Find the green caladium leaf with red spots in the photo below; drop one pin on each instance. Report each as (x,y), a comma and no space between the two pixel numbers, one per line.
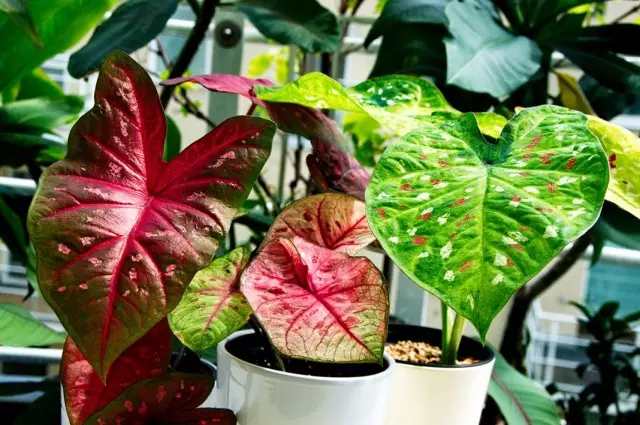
(118,232)
(213,307)
(623,150)
(318,304)
(330,220)
(164,400)
(472,221)
(84,391)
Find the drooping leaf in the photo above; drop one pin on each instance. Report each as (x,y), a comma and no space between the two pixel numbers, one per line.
(571,94)
(130,27)
(482,55)
(317,304)
(472,221)
(60,24)
(304,23)
(118,233)
(399,13)
(521,400)
(606,103)
(607,68)
(213,307)
(156,399)
(173,141)
(18,328)
(39,84)
(331,220)
(622,148)
(84,391)
(40,113)
(414,49)
(19,11)
(612,37)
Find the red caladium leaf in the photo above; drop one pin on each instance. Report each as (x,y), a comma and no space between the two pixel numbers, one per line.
(332,167)
(84,391)
(317,304)
(118,232)
(331,220)
(155,400)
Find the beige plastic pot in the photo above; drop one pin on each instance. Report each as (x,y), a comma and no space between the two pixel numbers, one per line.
(438,395)
(262,396)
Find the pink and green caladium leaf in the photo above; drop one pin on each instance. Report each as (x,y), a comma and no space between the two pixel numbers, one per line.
(84,391)
(472,221)
(118,232)
(317,304)
(162,400)
(331,220)
(213,307)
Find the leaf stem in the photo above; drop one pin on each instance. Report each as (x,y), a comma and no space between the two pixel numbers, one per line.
(257,328)
(445,329)
(454,340)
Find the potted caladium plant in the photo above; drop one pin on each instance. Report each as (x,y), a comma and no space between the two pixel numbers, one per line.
(119,234)
(470,207)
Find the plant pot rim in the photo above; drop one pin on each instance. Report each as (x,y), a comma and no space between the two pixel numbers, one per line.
(390,362)
(487,354)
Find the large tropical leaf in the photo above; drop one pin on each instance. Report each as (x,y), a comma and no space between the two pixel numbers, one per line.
(304,23)
(19,11)
(18,328)
(130,27)
(119,233)
(60,24)
(521,400)
(162,400)
(472,221)
(41,113)
(526,15)
(84,391)
(213,307)
(317,304)
(482,55)
(399,13)
(332,220)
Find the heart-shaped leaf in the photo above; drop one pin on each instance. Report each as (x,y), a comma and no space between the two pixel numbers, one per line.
(119,233)
(331,220)
(622,148)
(18,328)
(317,304)
(84,391)
(213,307)
(472,221)
(156,399)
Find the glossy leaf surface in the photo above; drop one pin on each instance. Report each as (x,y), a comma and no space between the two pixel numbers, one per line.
(317,304)
(472,221)
(153,400)
(482,55)
(224,83)
(331,220)
(84,391)
(18,328)
(119,233)
(521,400)
(213,307)
(130,27)
(305,23)
(60,24)
(41,113)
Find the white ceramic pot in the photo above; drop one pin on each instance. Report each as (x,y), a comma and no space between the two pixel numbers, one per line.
(438,395)
(261,396)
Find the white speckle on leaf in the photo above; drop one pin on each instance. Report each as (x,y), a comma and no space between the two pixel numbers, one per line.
(499,188)
(550,232)
(394,239)
(577,201)
(443,219)
(499,278)
(427,211)
(445,252)
(424,196)
(469,190)
(567,180)
(425,178)
(170,270)
(423,255)
(382,196)
(532,189)
(441,185)
(95,261)
(520,164)
(87,240)
(500,260)
(574,214)
(472,302)
(518,236)
(449,276)
(458,159)
(63,248)
(507,240)
(412,231)
(136,257)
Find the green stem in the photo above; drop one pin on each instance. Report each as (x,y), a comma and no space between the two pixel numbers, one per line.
(445,329)
(454,340)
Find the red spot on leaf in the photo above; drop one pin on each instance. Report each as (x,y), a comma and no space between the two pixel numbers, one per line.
(419,240)
(515,198)
(625,182)
(524,228)
(571,163)
(544,209)
(612,160)
(307,216)
(466,218)
(517,247)
(527,155)
(443,163)
(458,202)
(406,187)
(466,266)
(552,187)
(546,158)
(510,263)
(426,216)
(423,158)
(381,213)
(453,236)
(534,142)
(435,181)
(523,173)
(128,405)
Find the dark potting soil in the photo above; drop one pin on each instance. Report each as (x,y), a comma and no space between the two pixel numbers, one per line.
(250,349)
